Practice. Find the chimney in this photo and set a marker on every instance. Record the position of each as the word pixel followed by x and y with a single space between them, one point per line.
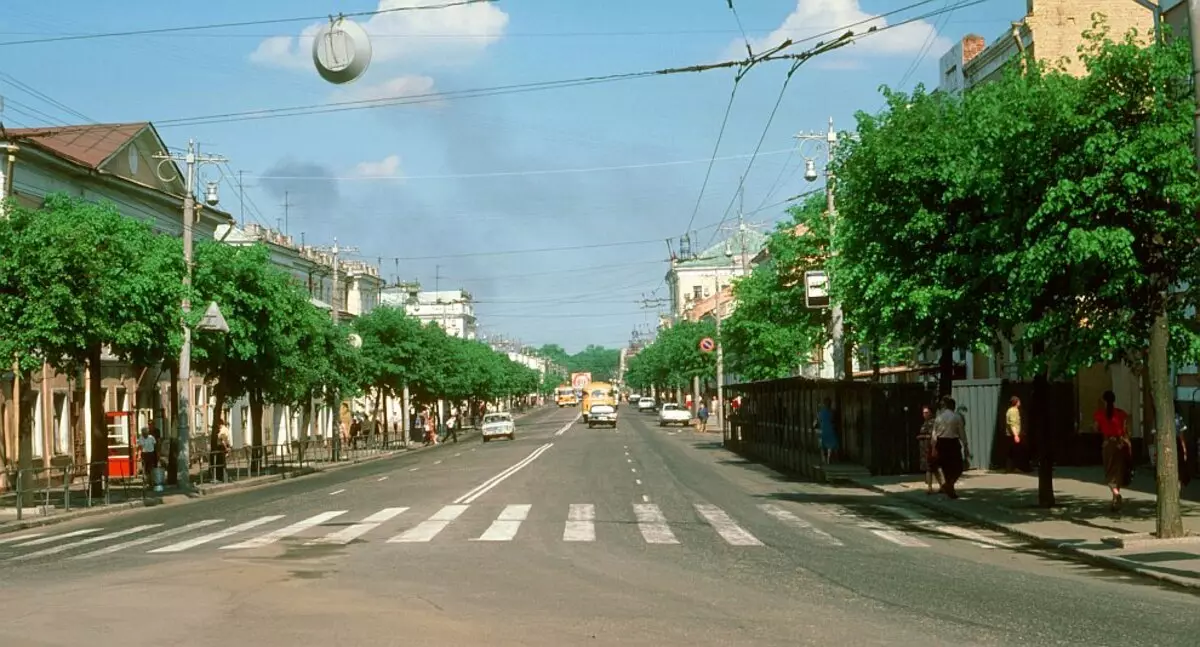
pixel 972 45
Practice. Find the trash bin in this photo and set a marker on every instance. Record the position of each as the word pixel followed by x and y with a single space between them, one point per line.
pixel 159 475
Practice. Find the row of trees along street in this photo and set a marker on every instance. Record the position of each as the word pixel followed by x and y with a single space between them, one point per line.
pixel 1058 213
pixel 78 277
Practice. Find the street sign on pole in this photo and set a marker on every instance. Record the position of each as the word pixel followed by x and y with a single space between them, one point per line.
pixel 707 344
pixel 213 319
pixel 816 289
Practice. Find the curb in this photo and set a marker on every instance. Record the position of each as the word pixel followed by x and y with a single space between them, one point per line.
pixel 1060 546
pixel 200 491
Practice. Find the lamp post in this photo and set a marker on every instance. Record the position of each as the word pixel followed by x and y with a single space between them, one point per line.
pixel 193 161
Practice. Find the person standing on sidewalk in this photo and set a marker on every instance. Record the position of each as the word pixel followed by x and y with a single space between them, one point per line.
pixel 702 418
pixel 149 449
pixel 1012 431
pixel 950 445
pixel 925 442
pixel 829 437
pixel 1113 423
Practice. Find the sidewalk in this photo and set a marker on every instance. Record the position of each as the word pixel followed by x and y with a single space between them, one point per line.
pixel 1081 524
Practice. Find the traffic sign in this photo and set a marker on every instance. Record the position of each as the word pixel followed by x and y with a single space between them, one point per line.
pixel 707 344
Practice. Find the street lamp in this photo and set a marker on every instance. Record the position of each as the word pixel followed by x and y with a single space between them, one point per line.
pixel 720 345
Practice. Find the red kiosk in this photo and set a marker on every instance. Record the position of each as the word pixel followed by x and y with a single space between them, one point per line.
pixel 122 451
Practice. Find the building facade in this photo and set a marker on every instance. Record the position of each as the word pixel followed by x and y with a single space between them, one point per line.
pixel 693 279
pixel 452 310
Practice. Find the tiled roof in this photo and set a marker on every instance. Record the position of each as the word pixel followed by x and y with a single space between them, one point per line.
pixel 89 145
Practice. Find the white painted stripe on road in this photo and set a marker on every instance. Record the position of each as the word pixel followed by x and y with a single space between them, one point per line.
pixel 645 498
pixel 567 426
pixel 62 548
pixel 458 454
pixel 9 540
pixel 921 521
pixel 505 527
pixel 638 481
pixel 730 531
pixel 350 533
pixel 487 485
pixel 380 479
pixel 581 523
pixel 337 492
pixel 413 469
pixel 428 529
pixel 286 531
pixel 788 519
pixel 214 536
pixel 889 533
pixel 141 541
pixel 653 524
pixel 47 540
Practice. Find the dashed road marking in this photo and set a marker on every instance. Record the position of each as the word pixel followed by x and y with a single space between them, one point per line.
pixel 428 529
pixel 286 531
pixel 653 524
pixel 725 526
pixel 581 522
pixel 214 536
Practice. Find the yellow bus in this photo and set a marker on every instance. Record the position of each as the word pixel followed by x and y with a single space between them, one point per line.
pixel 598 393
pixel 565 396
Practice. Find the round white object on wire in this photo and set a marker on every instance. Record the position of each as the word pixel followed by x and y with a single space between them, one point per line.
pixel 341 51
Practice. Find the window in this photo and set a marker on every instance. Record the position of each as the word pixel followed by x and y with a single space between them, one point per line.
pixel 62 424
pixel 697 292
pixel 39 427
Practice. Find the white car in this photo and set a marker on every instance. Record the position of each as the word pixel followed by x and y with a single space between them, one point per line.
pixel 645 405
pixel 602 414
pixel 673 414
pixel 498 425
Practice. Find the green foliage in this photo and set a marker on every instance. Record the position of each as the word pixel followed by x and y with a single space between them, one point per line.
pixel 772 330
pixel 674 358
pixel 601 362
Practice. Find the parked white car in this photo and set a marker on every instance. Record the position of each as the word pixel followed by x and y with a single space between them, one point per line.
pixel 498 425
pixel 673 414
pixel 602 414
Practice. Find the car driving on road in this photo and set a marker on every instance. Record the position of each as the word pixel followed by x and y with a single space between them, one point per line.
pixel 673 414
pixel 602 414
pixel 645 405
pixel 498 425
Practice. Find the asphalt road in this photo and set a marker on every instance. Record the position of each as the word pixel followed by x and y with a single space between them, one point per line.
pixel 564 536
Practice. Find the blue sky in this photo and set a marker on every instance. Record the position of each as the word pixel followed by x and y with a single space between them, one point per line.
pixel 431 200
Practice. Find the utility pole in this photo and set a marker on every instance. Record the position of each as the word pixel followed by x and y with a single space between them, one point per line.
pixel 720 357
pixel 183 407
pixel 241 200
pixel 287 208
pixel 842 366
pixel 335 251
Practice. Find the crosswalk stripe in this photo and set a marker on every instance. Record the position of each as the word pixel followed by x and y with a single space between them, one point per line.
pixel 350 533
pixel 725 526
pixel 653 524
pixel 62 548
pixel 10 540
pixel 505 527
pixel 54 538
pixel 141 541
pixel 889 533
pixel 428 529
pixel 285 532
pixel 954 531
pixel 788 519
pixel 581 523
pixel 214 536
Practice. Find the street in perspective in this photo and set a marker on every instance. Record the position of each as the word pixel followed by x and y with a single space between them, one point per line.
pixel 505 322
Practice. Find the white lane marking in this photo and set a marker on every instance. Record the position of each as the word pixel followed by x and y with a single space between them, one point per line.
pixel 628 460
pixel 352 532
pixel 108 550
pixel 337 492
pixel 954 531
pixel 286 531
pixel 487 485
pixel 633 469
pixel 646 498
pixel 474 448
pixel 54 538
pixel 9 540
pixel 730 531
pixel 653 524
pixel 61 548
pixel 581 523
pixel 638 481
pixel 413 469
pixel 214 536
pixel 428 529
pixel 789 519
pixel 437 462
pixel 884 531
pixel 505 527
pixel 458 454
pixel 567 426
pixel 382 478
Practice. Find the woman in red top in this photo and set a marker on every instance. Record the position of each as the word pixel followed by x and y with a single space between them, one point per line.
pixel 1113 424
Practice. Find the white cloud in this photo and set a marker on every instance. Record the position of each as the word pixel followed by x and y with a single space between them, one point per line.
pixel 419 87
pixel 812 17
pixel 386 167
pixel 445 35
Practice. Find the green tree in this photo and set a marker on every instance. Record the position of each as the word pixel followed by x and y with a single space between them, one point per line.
pixel 675 358
pixel 75 277
pixel 772 330
pixel 391 351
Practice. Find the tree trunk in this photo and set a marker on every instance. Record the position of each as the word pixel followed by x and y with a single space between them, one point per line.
pixel 99 457
pixel 1170 524
pixel 256 438
pixel 386 428
pixel 172 434
pixel 25 411
pixel 219 397
pixel 1042 431
pixel 946 371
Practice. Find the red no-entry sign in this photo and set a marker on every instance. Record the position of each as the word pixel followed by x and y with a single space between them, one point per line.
pixel 707 344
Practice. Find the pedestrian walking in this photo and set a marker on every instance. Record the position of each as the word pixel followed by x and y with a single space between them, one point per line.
pixel 148 446
pixel 702 418
pixel 1015 446
pixel 951 453
pixel 829 437
pixel 1113 423
pixel 925 443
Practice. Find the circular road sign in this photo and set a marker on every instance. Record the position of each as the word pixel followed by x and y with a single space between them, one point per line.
pixel 341 51
pixel 707 344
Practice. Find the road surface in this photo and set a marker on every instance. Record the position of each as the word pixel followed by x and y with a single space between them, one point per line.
pixel 564 536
